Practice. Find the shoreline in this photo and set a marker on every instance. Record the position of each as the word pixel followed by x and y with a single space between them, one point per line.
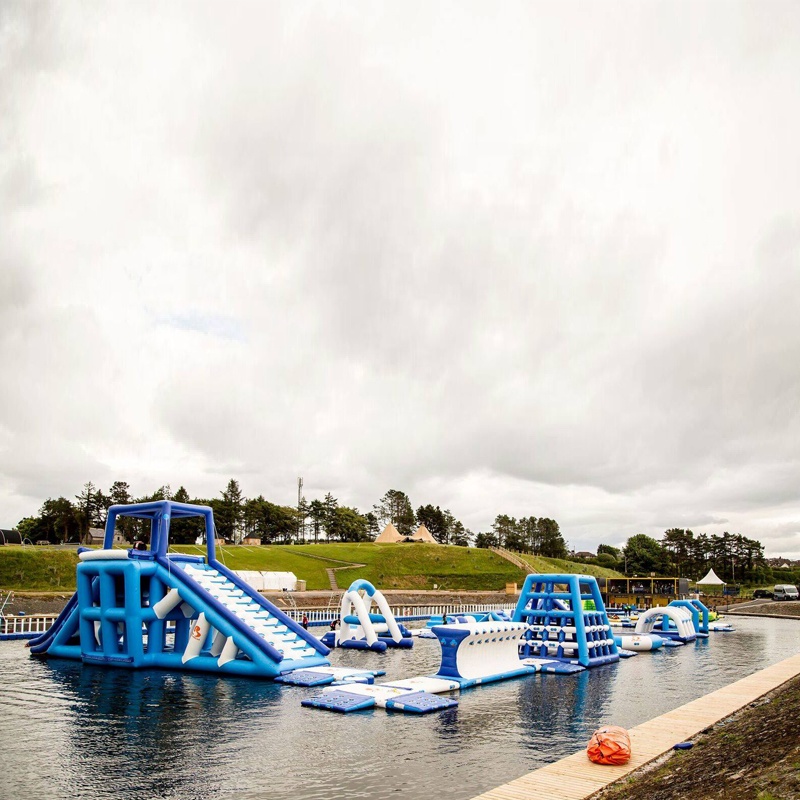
pixel 576 778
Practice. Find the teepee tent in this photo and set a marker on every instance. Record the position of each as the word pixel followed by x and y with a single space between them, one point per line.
pixel 712 578
pixel 422 534
pixel 389 534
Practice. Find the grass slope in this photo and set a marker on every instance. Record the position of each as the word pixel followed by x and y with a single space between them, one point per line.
pixel 541 564
pixel 387 566
pixel 37 569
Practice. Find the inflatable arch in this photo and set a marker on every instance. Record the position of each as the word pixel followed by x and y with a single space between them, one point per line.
pixel 684 630
pixel 362 630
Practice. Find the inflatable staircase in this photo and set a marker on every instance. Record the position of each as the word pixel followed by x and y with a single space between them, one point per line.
pixel 567 620
pixel 151 609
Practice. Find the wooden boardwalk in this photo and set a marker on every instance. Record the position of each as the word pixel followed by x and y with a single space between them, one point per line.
pixel 575 777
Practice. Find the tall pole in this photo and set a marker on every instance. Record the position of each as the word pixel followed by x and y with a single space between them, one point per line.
pixel 299 503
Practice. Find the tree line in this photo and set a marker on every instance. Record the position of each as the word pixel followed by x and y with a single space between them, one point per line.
pixel 679 552
pixel 237 517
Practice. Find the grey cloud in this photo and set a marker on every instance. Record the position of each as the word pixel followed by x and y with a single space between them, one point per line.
pixel 537 261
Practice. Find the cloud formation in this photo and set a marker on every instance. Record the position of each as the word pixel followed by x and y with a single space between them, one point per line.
pixel 530 260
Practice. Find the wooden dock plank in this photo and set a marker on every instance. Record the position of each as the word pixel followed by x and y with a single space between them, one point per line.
pixel 576 778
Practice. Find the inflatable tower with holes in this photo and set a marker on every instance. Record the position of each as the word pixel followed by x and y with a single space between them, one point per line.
pixel 566 619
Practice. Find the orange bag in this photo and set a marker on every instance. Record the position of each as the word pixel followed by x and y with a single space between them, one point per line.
pixel 609 745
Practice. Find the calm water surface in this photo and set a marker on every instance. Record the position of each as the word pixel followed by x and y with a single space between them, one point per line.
pixel 70 731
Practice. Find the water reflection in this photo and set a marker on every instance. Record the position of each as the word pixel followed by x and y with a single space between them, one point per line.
pixel 70 731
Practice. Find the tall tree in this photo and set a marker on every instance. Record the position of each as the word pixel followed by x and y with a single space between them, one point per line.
pixel 395 507
pixel 644 555
pixel 91 507
pixel 228 512
pixel 118 495
pixel 435 520
pixel 347 525
pixel 552 542
pixel 317 515
pixel 186 530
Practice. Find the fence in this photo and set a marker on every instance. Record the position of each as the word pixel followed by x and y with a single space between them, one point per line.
pixel 25 627
pixel 406 613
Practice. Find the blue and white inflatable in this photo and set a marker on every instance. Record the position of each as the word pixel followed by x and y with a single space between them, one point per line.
pixel 155 609
pixel 359 629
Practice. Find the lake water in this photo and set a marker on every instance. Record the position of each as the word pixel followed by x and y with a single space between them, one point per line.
pixel 70 731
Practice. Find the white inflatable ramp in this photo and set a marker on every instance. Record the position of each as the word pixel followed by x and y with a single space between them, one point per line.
pixel 360 697
pixel 231 599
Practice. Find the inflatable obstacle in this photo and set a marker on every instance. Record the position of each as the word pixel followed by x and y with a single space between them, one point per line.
pixel 151 609
pixel 472 653
pixel 359 629
pixel 669 622
pixel 562 624
pixel 639 644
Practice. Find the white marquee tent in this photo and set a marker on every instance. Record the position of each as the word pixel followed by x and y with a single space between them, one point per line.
pixel 712 578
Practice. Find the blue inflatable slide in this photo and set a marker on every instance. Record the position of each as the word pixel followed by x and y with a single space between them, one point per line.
pixel 152 609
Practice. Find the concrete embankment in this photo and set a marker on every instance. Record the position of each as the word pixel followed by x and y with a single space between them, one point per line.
pixel 783 609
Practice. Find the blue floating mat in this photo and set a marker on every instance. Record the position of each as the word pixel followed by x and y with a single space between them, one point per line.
pixel 341 701
pixel 305 677
pixel 420 703
pixel 562 668
pixel 683 746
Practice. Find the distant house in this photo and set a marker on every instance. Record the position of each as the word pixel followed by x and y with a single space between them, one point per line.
pixel 96 536
pixel 8 536
pixel 584 554
pixel 251 540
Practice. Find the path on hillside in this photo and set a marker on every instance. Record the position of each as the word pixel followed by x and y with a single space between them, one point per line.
pixel 514 559
pixel 331 571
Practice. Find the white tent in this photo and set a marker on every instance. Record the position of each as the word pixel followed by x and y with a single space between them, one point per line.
pixel 422 534
pixel 712 578
pixel 389 534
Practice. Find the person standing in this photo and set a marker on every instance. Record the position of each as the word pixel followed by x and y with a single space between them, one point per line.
pixel 305 621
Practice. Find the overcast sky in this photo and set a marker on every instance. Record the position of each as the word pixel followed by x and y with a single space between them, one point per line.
pixel 509 258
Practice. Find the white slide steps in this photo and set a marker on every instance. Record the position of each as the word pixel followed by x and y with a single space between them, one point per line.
pixel 259 619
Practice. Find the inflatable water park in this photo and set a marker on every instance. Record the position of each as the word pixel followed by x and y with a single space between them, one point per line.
pixel 149 608
pixel 153 609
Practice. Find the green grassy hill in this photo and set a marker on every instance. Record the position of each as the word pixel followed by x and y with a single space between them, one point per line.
pixel 541 564
pixel 387 566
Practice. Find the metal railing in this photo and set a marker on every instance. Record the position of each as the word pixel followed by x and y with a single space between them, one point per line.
pixel 28 625
pixel 33 624
pixel 404 613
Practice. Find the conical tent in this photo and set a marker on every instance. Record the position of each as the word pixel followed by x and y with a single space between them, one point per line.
pixel 712 578
pixel 422 534
pixel 389 534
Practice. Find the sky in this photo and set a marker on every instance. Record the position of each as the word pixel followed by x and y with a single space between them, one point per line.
pixel 525 258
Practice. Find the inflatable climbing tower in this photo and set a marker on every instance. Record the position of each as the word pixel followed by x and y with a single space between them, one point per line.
pixel 154 609
pixel 566 619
